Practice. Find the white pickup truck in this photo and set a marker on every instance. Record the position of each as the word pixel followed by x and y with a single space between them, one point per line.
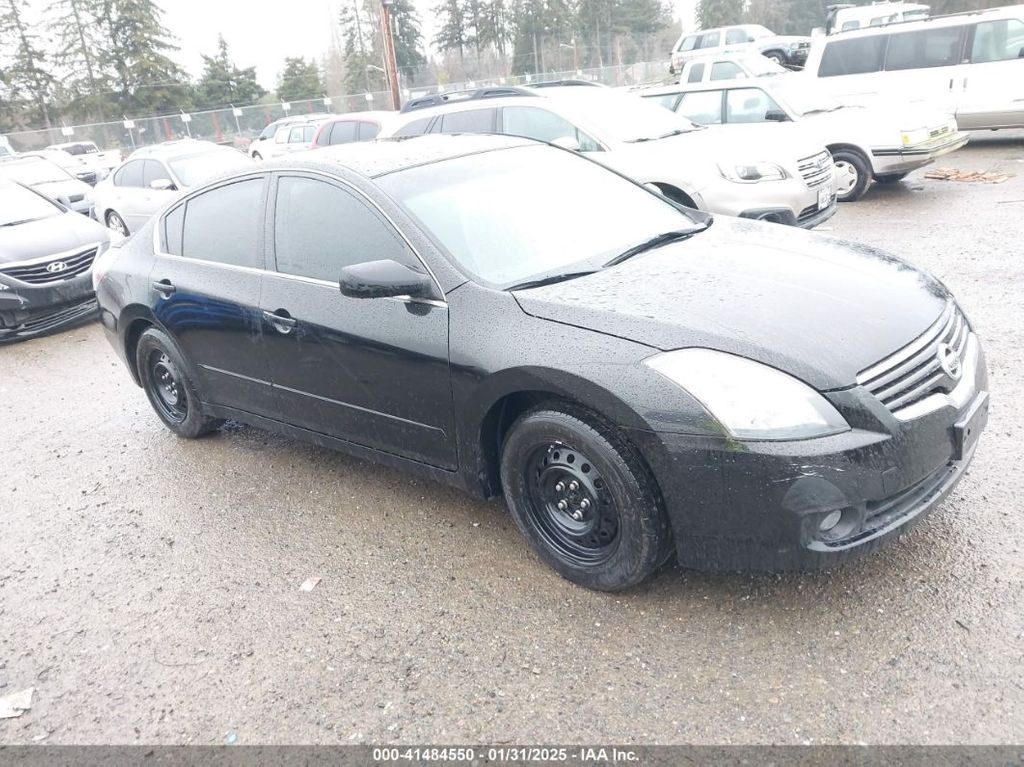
pixel 100 163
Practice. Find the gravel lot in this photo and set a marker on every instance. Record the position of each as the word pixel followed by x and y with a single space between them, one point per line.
pixel 149 586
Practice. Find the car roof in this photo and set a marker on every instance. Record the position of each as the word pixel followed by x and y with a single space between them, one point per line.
pixel 370 115
pixel 177 148
pixel 379 158
pixel 949 20
pixel 764 83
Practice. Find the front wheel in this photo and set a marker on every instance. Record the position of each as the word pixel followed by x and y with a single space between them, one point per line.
pixel 853 175
pixel 583 498
pixel 775 56
pixel 170 391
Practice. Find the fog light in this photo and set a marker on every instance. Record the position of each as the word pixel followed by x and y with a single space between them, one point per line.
pixel 830 521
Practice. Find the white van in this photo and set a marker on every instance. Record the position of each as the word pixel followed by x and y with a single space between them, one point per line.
pixel 968 64
pixel 847 18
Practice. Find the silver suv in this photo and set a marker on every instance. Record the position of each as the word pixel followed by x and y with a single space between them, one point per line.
pixel 788 182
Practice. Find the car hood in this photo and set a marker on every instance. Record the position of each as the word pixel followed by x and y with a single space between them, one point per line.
pixel 717 145
pixel 49 237
pixel 816 307
pixel 63 189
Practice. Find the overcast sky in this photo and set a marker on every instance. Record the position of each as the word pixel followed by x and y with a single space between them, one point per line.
pixel 261 34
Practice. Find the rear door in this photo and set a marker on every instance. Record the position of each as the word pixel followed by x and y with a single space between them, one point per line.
pixel 369 371
pixel 205 290
pixel 993 81
pixel 925 65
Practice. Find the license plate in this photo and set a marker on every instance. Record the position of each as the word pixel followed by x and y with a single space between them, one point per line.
pixel 967 430
pixel 824 198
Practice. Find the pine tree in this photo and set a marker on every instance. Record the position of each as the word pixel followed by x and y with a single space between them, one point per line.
pixel 452 34
pixel 222 83
pixel 74 28
pixel 25 76
pixel 299 80
pixel 405 23
pixel 719 13
pixel 364 62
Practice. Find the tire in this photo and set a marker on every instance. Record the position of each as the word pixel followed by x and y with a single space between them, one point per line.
pixel 612 533
pixel 853 175
pixel 115 222
pixel 776 56
pixel 172 394
pixel 891 178
pixel 257 156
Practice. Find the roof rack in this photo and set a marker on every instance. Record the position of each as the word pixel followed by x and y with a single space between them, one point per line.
pixel 488 92
pixel 564 83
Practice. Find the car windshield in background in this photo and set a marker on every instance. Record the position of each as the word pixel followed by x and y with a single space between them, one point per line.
pixel 32 173
pixel 504 227
pixel 19 205
pixel 809 101
pixel 195 168
pixel 627 118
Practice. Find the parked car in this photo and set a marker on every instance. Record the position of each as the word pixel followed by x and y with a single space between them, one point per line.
pixel 272 141
pixel 50 179
pixel 354 126
pixel 634 377
pixel 866 143
pixel 728 66
pixel 153 176
pixel 75 166
pixel 101 163
pixel 5 148
pixel 745 37
pixel 46 256
pixel 847 17
pixel 788 183
pixel 969 64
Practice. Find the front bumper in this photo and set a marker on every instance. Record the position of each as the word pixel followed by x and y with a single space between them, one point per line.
pixel 759 505
pixel 789 202
pixel 888 160
pixel 28 311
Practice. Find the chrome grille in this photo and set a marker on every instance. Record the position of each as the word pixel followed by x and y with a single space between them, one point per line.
pixel 816 169
pixel 914 372
pixel 42 272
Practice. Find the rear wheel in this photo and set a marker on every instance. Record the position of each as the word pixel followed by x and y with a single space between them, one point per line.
pixel 583 498
pixel 890 178
pixel 116 223
pixel 853 174
pixel 168 387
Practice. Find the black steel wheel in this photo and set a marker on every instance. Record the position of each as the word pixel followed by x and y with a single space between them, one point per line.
pixel 164 377
pixel 583 497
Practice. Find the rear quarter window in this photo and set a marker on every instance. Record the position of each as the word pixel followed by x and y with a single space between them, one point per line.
pixel 415 128
pixel 852 57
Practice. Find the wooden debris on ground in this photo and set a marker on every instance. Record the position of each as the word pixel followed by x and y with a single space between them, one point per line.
pixel 955 174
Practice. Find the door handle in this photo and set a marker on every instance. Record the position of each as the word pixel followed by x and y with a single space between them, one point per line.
pixel 165 287
pixel 281 320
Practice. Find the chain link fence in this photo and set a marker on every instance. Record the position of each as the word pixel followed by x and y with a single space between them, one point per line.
pixel 238 126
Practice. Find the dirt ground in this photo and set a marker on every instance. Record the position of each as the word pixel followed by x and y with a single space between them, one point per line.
pixel 149 586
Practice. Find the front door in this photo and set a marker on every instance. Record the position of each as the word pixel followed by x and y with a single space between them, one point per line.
pixel 205 291
pixel 370 371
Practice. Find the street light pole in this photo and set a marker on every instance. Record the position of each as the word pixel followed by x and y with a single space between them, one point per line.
pixel 390 63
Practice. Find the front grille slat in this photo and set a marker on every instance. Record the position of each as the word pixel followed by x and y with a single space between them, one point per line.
pixel 39 274
pixel 816 169
pixel 915 371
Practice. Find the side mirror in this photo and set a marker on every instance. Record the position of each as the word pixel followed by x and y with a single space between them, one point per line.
pixel 567 142
pixel 383 279
pixel 776 116
pixel 161 184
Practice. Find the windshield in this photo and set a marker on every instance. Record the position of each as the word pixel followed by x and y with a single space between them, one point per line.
pixel 33 173
pixel 19 205
pixel 509 216
pixel 625 117
pixel 196 168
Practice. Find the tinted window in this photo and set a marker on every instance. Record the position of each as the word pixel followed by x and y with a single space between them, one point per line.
pixel 301 135
pixel 320 228
pixel 703 107
pixel 734 36
pixel 540 124
pixel 474 121
pixel 368 131
pixel 852 57
pixel 173 222
pixel 748 105
pixel 153 170
pixel 281 136
pixel 850 25
pixel 669 100
pixel 130 174
pixel 224 225
pixel 267 132
pixel 940 47
pixel 725 70
pixel 343 132
pixel 696 73
pixel 689 43
pixel 415 128
pixel 998 41
pixel 710 39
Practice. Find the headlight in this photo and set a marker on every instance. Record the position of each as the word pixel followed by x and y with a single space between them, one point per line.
pixel 911 137
pixel 751 173
pixel 751 400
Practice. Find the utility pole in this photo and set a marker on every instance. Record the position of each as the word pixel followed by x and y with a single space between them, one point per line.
pixel 390 63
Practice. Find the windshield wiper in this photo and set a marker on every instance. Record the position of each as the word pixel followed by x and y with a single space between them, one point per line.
pixel 551 279
pixel 655 242
pixel 22 221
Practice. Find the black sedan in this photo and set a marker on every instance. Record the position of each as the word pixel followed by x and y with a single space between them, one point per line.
pixel 46 257
pixel 634 377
